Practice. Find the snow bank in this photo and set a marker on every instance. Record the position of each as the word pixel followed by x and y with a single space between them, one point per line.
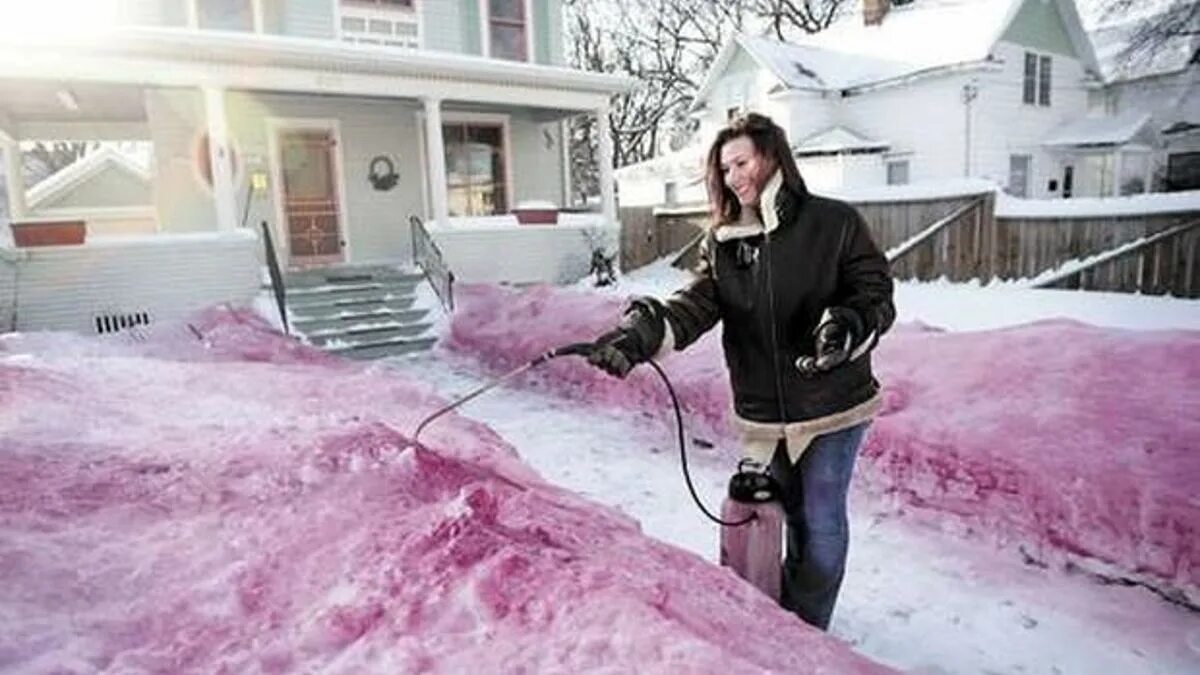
pixel 217 499
pixel 1157 203
pixel 1071 441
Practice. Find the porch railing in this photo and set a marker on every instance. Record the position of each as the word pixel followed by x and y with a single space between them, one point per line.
pixel 429 258
pixel 276 275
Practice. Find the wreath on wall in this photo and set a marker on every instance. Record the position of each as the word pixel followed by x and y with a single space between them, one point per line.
pixel 383 174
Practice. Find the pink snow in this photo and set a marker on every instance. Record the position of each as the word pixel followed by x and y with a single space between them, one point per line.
pixel 1070 442
pixel 219 499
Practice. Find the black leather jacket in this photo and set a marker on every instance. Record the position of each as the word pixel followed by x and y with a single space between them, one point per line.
pixel 770 290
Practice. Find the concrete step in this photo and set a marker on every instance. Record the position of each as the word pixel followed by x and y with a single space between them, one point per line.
pixel 343 319
pixel 331 308
pixel 366 333
pixel 350 274
pixel 362 294
pixel 375 349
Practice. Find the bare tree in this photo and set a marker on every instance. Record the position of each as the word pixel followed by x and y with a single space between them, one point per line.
pixel 48 157
pixel 668 46
pixel 1176 26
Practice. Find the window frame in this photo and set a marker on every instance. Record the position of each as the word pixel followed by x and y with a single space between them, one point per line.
pixel 890 164
pixel 453 118
pixel 1037 79
pixel 388 11
pixel 1028 183
pixel 485 30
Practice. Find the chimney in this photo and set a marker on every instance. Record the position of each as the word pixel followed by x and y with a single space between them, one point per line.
pixel 874 11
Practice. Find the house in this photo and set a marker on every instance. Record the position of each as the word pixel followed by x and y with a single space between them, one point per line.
pixel 108 188
pixel 1158 86
pixel 333 121
pixel 927 90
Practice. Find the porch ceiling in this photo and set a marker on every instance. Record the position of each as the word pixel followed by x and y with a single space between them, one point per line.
pixel 51 101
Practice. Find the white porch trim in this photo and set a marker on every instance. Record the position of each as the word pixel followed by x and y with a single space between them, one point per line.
pixel 437 160
pixel 15 177
pixel 8 128
pixel 608 198
pixel 182 58
pixel 224 200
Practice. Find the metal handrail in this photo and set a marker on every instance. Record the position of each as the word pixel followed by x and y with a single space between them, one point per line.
pixel 276 277
pixel 428 257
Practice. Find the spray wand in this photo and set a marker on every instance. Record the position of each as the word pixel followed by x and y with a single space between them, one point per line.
pixel 585 349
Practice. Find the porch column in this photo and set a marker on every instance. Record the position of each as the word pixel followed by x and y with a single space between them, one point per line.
pixel 1118 167
pixel 14 177
pixel 608 198
pixel 219 159
pixel 437 159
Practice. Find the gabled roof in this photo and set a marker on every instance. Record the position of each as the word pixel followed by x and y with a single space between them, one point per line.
pixel 838 139
pixel 58 184
pixel 1114 130
pixel 923 38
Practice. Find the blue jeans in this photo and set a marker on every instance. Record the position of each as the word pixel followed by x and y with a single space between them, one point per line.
pixel 818 530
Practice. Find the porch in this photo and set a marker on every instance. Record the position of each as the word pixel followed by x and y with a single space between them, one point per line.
pixel 335 146
pixel 1103 156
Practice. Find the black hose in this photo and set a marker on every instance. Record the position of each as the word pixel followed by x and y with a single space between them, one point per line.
pixel 584 349
pixel 687 475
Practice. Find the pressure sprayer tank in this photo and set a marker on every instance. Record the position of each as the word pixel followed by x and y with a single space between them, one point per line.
pixel 754 549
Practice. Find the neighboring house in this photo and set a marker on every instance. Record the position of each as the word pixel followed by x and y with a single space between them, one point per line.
pixel 107 189
pixel 1159 86
pixel 930 90
pixel 332 120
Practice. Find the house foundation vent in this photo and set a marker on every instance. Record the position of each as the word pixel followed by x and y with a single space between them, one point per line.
pixel 111 323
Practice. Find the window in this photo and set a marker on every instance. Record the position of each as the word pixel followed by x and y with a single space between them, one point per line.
pixel 506 29
pixel 1183 171
pixel 897 172
pixel 382 22
pixel 670 193
pixel 224 14
pixel 1018 175
pixel 476 175
pixel 1044 81
pixel 1036 86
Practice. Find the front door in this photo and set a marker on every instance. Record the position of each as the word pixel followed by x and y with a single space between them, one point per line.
pixel 311 203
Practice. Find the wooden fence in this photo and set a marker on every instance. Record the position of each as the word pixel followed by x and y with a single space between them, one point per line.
pixel 961 237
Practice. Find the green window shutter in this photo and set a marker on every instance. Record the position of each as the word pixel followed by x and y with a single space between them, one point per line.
pixel 470 27
pixel 541 31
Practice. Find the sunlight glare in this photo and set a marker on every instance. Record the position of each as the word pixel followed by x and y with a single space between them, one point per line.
pixel 48 18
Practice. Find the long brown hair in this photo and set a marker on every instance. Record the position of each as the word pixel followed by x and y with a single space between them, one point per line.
pixel 770 142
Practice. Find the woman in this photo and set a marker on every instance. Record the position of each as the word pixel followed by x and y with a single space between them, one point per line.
pixel 803 295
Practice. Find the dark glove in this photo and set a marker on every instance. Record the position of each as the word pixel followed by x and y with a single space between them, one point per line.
pixel 634 341
pixel 839 331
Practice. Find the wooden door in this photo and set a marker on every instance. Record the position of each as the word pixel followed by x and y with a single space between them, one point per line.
pixel 311 203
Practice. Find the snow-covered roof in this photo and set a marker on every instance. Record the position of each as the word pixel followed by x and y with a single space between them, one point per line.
pixel 819 68
pixel 1111 31
pixel 921 38
pixel 838 139
pixel 76 173
pixel 1110 130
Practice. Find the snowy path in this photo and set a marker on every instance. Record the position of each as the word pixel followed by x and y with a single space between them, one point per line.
pixel 913 598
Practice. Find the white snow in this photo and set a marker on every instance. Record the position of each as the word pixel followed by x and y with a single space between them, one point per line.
pixel 1099 130
pixel 1098 207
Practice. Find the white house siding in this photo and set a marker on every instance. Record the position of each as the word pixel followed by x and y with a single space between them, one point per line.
pixel 923 121
pixel 182 199
pixel 68 287
pixel 153 12
pixel 309 18
pixel 746 85
pixel 1007 126
pixel 548 20
pixel 377 221
pixel 443 27
pixel 537 160
pixel 105 189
